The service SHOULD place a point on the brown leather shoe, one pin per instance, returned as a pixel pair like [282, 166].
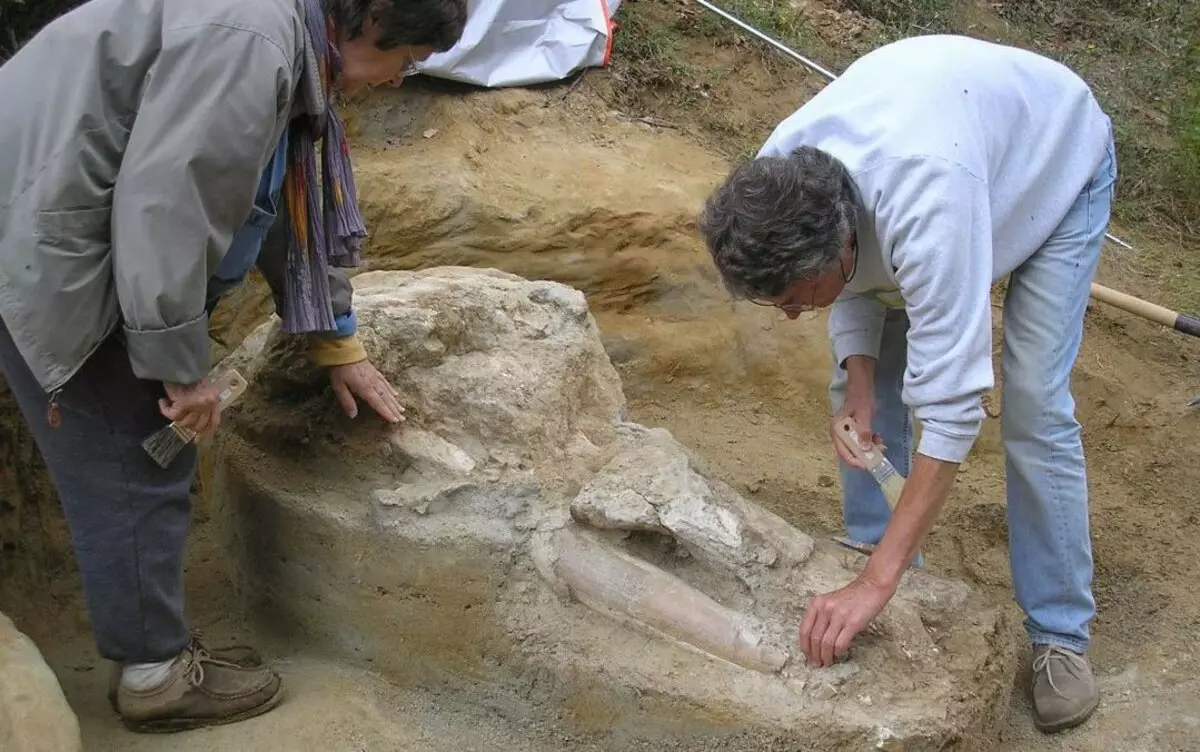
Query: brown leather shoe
[242, 655]
[201, 690]
[1064, 691]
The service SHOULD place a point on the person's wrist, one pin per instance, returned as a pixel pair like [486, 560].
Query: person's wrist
[860, 395]
[884, 570]
[860, 373]
[177, 387]
[881, 576]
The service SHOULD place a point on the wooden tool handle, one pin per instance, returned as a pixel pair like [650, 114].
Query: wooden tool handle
[229, 388]
[1180, 322]
[1136, 306]
[847, 431]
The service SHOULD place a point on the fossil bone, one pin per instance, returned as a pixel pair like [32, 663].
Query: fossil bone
[610, 580]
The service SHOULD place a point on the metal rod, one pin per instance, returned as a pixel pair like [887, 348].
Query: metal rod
[1119, 242]
[773, 42]
[818, 69]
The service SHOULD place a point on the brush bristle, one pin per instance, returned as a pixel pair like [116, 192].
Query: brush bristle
[164, 445]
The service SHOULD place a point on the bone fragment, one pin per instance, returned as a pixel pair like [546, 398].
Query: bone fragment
[609, 580]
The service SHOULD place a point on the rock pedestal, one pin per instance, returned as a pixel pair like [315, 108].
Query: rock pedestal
[519, 538]
[34, 714]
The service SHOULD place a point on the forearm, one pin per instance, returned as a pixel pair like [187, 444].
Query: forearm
[925, 493]
[860, 374]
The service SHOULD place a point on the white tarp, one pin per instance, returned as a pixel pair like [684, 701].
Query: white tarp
[525, 42]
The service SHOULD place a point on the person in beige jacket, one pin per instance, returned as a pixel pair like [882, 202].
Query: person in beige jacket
[154, 152]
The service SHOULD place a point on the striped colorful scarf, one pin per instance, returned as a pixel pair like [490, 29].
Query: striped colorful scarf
[320, 232]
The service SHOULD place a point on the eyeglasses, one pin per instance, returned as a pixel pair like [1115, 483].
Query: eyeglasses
[812, 305]
[789, 307]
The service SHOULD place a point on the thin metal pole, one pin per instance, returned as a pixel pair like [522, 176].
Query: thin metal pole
[773, 42]
[818, 69]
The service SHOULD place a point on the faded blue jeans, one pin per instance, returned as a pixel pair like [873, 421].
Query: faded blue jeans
[1046, 480]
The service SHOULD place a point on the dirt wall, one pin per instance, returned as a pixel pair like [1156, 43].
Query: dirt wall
[35, 549]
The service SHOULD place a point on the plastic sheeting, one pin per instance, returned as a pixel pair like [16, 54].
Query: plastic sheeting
[524, 42]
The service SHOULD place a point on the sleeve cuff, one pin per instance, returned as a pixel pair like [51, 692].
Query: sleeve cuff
[346, 325]
[855, 343]
[335, 351]
[947, 447]
[176, 355]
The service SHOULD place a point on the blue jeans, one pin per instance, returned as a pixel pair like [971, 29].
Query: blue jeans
[1046, 480]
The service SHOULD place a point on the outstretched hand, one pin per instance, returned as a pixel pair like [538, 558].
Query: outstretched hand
[833, 620]
[363, 381]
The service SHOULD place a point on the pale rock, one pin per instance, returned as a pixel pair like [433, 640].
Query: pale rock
[34, 714]
[523, 540]
[431, 454]
[654, 484]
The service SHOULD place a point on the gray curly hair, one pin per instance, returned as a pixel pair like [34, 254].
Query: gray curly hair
[779, 219]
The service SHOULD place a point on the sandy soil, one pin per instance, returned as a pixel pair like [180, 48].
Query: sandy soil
[328, 706]
[767, 436]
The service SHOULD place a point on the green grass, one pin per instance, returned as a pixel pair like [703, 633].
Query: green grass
[908, 17]
[647, 55]
[1141, 59]
[776, 18]
[653, 70]
[1183, 167]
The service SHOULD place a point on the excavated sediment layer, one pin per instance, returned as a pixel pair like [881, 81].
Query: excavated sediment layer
[520, 538]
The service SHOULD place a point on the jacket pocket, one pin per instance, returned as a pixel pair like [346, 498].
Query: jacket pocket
[68, 282]
[77, 231]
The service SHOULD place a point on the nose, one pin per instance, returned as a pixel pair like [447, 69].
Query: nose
[793, 315]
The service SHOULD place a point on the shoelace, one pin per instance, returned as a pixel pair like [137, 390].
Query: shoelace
[1042, 663]
[197, 656]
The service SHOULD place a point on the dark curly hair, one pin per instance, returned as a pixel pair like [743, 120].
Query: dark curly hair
[411, 23]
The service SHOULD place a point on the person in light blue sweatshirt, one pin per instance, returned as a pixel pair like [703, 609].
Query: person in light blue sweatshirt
[933, 167]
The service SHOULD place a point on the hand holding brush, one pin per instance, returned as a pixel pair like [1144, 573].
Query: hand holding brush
[166, 443]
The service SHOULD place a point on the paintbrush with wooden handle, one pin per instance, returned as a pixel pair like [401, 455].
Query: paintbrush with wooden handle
[890, 481]
[165, 444]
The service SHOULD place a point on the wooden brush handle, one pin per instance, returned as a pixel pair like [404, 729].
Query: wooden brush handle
[229, 388]
[847, 431]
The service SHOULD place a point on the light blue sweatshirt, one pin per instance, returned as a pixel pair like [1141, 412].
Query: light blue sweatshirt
[966, 155]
